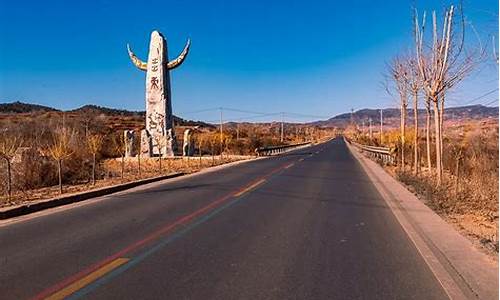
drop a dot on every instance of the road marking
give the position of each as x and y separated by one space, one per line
87 279
186 177
288 166
301 159
216 206
251 187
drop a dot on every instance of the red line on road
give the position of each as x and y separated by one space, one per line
153 236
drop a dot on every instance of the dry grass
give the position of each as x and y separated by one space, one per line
472 207
111 171
468 196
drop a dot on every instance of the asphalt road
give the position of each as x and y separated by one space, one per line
307 225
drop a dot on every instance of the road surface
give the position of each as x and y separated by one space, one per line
307 225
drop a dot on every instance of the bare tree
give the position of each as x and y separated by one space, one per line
415 85
8 145
138 145
161 142
60 149
428 132
399 73
119 145
139 162
200 140
214 138
444 67
94 144
226 141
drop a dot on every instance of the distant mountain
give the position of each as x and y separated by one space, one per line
392 115
471 112
20 107
95 109
14 108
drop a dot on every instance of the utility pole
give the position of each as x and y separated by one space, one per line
282 117
381 126
221 132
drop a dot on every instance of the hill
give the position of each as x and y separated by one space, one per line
114 118
21 107
95 109
391 115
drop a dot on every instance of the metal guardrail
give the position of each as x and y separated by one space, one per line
275 150
385 154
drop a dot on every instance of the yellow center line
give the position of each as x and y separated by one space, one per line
250 188
75 286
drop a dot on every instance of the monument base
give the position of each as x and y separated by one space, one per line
152 146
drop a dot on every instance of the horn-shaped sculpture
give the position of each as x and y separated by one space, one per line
170 65
158 139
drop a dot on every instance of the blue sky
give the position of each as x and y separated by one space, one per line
315 58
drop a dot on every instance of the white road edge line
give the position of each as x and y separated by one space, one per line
447 282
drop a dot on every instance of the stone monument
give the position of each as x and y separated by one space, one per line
129 141
187 147
158 138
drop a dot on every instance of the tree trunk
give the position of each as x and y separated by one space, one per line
428 135
93 169
9 179
213 155
160 163
199 152
441 120
123 166
59 169
415 116
457 174
439 163
403 129
139 164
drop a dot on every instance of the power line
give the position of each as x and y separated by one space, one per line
255 117
491 102
305 116
199 111
242 118
482 96
289 115
244 111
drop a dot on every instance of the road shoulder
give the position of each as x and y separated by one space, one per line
463 271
